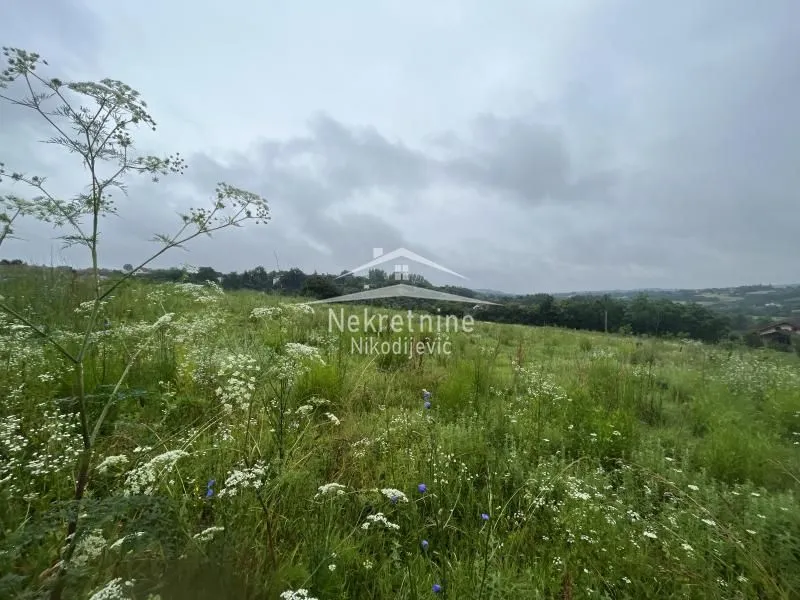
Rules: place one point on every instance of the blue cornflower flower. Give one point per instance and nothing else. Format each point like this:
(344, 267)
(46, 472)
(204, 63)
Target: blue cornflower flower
(427, 404)
(422, 488)
(424, 544)
(436, 588)
(426, 395)
(484, 516)
(210, 488)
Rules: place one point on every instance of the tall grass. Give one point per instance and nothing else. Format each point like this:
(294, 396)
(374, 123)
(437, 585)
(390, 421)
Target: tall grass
(251, 454)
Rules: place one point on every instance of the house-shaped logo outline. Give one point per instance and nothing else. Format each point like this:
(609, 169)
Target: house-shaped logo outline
(401, 290)
(380, 258)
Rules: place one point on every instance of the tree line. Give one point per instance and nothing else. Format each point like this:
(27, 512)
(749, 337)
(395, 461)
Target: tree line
(641, 315)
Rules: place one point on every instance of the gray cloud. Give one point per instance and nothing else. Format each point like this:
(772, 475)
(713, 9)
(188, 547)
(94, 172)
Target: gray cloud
(581, 149)
(529, 160)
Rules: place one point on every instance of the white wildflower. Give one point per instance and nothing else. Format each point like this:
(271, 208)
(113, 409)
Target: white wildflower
(304, 410)
(124, 539)
(89, 548)
(111, 461)
(301, 594)
(331, 488)
(143, 479)
(295, 362)
(244, 477)
(379, 518)
(207, 534)
(303, 351)
(163, 321)
(113, 590)
(236, 381)
(394, 495)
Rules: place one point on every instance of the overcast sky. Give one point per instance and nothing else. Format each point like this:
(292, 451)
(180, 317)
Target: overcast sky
(529, 145)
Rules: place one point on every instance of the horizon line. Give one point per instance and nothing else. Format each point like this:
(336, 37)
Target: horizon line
(402, 290)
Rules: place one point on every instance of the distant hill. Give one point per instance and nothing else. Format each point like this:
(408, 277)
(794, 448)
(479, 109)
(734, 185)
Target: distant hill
(748, 304)
(487, 293)
(755, 303)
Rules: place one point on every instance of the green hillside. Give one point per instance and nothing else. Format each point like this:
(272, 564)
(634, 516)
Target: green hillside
(240, 449)
(760, 303)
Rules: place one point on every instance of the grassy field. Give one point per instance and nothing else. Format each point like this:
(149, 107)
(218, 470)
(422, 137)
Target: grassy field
(248, 453)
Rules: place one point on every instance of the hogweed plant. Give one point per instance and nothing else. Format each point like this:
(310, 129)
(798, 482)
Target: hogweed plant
(285, 370)
(95, 121)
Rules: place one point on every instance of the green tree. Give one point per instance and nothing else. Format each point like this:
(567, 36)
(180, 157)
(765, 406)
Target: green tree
(753, 340)
(232, 281)
(320, 287)
(292, 280)
(418, 280)
(377, 276)
(204, 274)
(257, 279)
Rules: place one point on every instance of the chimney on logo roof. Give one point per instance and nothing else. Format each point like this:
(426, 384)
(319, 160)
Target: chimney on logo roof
(376, 253)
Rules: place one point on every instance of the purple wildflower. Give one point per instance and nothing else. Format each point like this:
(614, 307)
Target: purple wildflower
(427, 404)
(436, 588)
(422, 488)
(424, 544)
(484, 516)
(426, 395)
(210, 488)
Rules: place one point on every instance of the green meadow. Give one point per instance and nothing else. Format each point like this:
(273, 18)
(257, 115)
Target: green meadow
(240, 449)
(176, 441)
